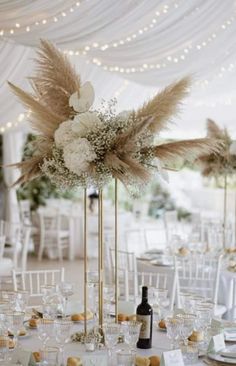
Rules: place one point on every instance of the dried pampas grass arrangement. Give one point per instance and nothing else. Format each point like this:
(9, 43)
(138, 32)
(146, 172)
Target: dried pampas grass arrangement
(78, 146)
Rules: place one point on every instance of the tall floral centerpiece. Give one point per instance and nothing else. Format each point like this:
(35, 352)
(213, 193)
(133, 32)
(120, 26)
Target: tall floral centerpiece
(221, 163)
(77, 145)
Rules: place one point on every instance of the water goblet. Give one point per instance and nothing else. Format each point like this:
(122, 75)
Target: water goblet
(66, 289)
(111, 332)
(47, 291)
(62, 332)
(4, 348)
(14, 321)
(131, 331)
(45, 330)
(125, 357)
(173, 330)
(188, 322)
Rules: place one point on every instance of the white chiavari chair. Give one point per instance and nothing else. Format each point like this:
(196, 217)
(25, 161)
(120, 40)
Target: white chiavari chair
(52, 236)
(33, 280)
(127, 271)
(199, 274)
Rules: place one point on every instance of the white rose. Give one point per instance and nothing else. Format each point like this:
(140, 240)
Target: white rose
(64, 134)
(232, 149)
(84, 122)
(78, 154)
(83, 102)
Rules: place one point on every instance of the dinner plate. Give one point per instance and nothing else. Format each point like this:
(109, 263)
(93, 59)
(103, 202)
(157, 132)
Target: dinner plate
(229, 352)
(230, 334)
(218, 357)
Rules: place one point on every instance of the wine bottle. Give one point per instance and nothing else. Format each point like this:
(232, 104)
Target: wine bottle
(144, 315)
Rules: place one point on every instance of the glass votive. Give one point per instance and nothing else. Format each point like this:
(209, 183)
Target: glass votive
(125, 357)
(49, 356)
(4, 348)
(90, 343)
(189, 352)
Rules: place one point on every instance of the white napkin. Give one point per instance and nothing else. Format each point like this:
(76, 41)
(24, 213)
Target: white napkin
(172, 358)
(24, 357)
(217, 343)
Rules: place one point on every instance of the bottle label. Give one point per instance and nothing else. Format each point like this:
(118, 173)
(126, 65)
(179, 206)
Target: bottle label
(146, 326)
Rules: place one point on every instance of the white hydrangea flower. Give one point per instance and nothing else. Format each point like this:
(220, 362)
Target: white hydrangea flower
(232, 149)
(85, 122)
(64, 134)
(78, 154)
(83, 102)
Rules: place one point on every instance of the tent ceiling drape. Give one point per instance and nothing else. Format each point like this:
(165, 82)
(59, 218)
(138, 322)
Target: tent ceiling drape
(129, 49)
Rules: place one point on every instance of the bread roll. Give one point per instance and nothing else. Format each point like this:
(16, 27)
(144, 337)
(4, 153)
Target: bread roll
(162, 324)
(154, 360)
(36, 356)
(74, 361)
(33, 323)
(22, 332)
(4, 342)
(77, 317)
(142, 361)
(183, 251)
(122, 317)
(132, 317)
(196, 336)
(11, 343)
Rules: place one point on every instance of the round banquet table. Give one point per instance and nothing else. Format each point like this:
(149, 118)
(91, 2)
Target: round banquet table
(74, 349)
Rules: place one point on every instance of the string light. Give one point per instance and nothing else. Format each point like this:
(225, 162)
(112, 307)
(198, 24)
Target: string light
(29, 27)
(22, 117)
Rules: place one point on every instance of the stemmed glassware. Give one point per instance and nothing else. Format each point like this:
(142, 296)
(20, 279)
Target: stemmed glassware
(14, 321)
(111, 332)
(187, 325)
(45, 330)
(62, 333)
(66, 290)
(131, 331)
(173, 325)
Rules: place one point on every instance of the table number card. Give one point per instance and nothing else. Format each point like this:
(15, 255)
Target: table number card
(94, 360)
(217, 343)
(172, 358)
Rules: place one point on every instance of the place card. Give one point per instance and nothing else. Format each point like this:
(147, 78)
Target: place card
(217, 343)
(25, 358)
(172, 358)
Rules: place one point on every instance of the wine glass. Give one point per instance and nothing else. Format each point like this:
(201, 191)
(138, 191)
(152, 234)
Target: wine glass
(47, 291)
(22, 299)
(49, 356)
(15, 322)
(161, 301)
(62, 332)
(173, 330)
(45, 330)
(187, 325)
(66, 289)
(111, 332)
(131, 331)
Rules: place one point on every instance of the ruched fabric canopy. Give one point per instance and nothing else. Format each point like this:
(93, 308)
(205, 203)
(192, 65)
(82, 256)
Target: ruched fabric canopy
(128, 49)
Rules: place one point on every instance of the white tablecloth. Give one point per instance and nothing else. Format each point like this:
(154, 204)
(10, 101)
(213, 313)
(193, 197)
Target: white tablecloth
(160, 344)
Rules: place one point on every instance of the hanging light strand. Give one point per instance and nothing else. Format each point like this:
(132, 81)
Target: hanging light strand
(19, 28)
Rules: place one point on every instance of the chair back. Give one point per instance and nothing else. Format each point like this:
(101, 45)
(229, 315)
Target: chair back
(2, 245)
(25, 212)
(33, 280)
(198, 273)
(25, 241)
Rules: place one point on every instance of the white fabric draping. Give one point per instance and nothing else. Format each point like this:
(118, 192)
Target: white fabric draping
(12, 147)
(148, 43)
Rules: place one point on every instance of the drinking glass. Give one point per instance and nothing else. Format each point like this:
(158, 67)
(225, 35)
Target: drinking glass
(173, 330)
(109, 297)
(62, 332)
(11, 297)
(4, 348)
(111, 332)
(160, 298)
(125, 357)
(49, 356)
(22, 299)
(15, 322)
(45, 330)
(66, 289)
(189, 352)
(47, 291)
(204, 315)
(131, 331)
(188, 322)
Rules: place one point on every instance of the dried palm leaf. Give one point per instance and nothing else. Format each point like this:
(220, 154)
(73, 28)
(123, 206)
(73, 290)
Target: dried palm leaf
(214, 131)
(164, 105)
(56, 79)
(42, 119)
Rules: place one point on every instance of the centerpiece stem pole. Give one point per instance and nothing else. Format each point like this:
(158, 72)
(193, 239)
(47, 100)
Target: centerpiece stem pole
(85, 261)
(116, 250)
(235, 219)
(225, 210)
(100, 256)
